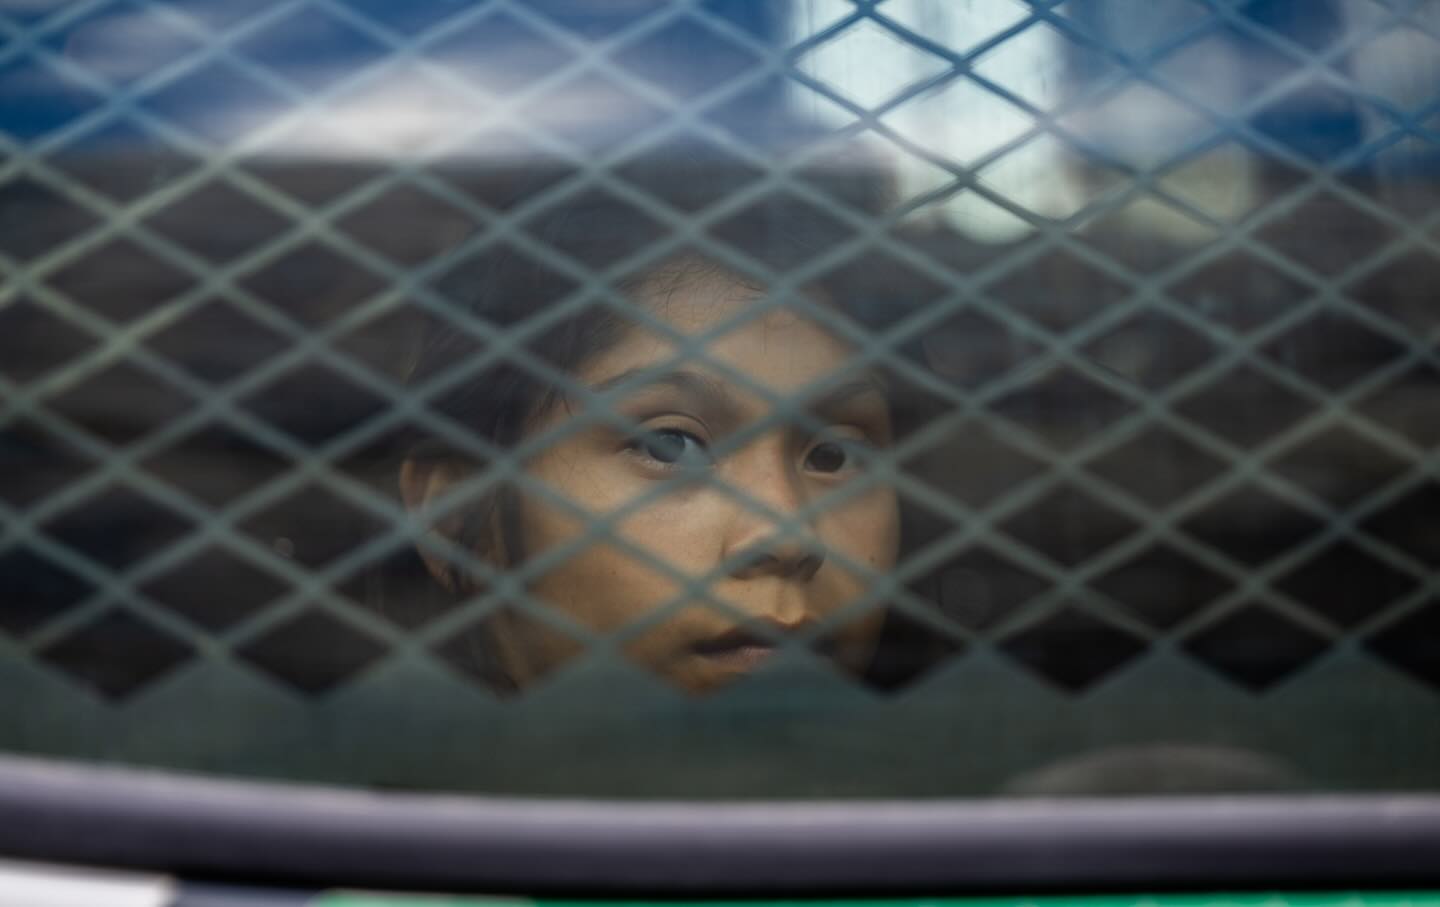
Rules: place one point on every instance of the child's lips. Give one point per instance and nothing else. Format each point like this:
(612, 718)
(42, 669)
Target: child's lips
(739, 649)
(740, 658)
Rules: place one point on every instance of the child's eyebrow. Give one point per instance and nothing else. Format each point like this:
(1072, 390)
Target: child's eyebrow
(834, 397)
(704, 389)
(712, 390)
(707, 394)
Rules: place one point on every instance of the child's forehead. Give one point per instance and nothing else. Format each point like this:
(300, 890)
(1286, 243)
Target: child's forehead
(726, 324)
(720, 325)
(717, 303)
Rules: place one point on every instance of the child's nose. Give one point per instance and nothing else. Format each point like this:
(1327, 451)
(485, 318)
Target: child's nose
(786, 560)
(768, 536)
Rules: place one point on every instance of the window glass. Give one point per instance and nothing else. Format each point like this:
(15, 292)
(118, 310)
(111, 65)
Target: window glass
(723, 399)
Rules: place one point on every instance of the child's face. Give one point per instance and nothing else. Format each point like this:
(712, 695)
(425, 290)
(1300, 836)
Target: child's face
(687, 412)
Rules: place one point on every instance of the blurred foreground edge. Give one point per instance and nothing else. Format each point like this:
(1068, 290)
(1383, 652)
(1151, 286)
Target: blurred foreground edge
(228, 830)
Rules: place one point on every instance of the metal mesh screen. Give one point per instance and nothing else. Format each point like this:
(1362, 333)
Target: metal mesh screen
(1152, 290)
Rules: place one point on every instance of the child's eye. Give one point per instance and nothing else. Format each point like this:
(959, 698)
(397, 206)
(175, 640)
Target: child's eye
(672, 447)
(836, 455)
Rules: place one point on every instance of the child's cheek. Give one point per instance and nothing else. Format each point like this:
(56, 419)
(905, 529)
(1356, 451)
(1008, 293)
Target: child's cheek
(680, 527)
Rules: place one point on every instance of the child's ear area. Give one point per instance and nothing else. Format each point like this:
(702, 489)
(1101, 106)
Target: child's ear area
(423, 483)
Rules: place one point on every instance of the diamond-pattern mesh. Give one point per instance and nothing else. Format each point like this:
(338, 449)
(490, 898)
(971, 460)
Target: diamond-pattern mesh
(1166, 280)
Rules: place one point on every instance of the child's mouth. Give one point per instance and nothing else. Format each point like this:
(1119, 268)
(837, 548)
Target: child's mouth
(738, 650)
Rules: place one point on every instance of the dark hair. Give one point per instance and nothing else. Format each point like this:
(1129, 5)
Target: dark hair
(505, 285)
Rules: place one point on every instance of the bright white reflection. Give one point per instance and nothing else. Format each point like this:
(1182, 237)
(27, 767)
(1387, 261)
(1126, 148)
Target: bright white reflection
(404, 113)
(1401, 67)
(959, 120)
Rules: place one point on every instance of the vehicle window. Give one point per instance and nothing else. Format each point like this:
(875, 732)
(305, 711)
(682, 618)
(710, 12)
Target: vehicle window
(721, 399)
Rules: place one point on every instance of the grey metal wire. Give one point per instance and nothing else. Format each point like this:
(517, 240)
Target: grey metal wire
(306, 224)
